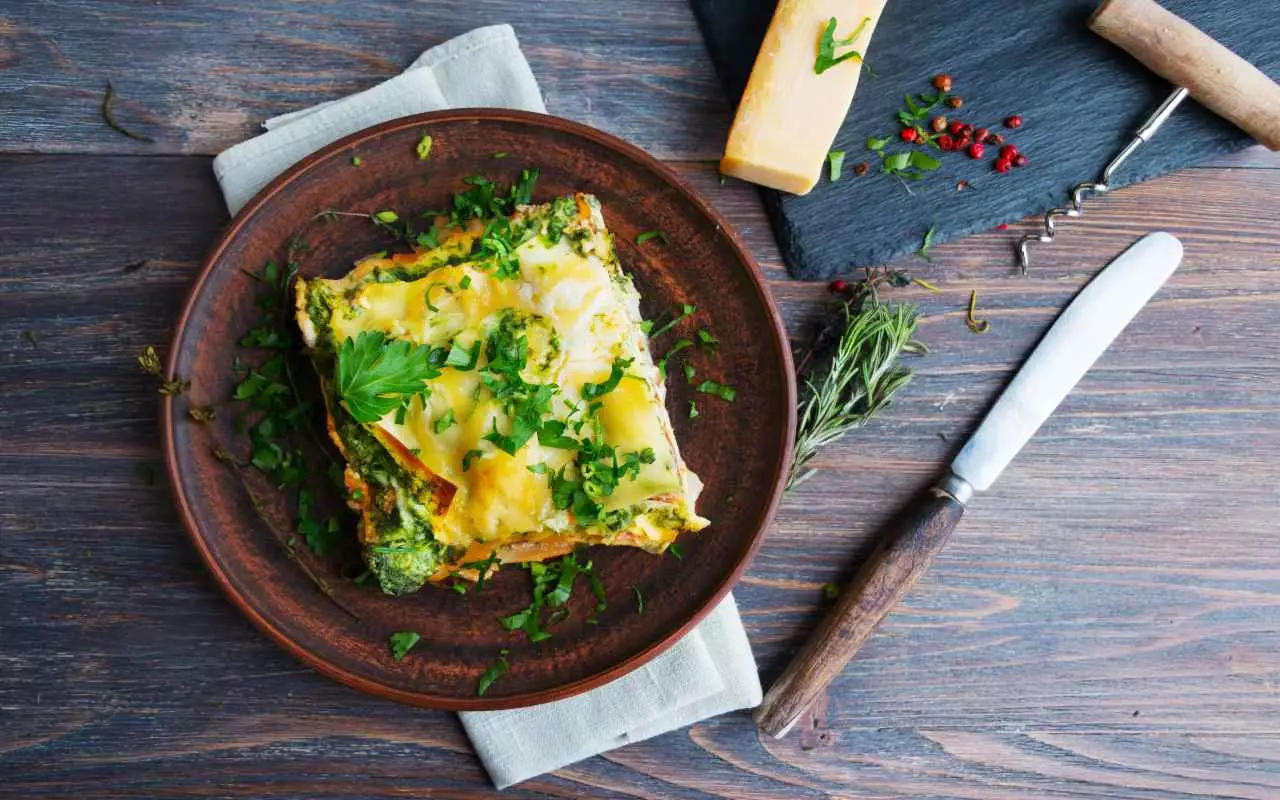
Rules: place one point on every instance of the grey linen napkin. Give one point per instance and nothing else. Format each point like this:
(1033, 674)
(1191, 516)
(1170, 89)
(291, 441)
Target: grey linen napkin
(711, 670)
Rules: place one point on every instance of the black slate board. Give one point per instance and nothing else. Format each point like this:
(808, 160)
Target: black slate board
(1081, 97)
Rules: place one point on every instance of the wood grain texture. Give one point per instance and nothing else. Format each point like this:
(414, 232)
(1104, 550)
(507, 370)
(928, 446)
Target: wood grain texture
(906, 550)
(1105, 623)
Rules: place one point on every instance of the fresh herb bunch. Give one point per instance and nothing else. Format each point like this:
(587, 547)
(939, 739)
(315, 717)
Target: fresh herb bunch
(859, 379)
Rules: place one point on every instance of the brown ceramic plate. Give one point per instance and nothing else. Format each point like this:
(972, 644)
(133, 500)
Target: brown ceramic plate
(740, 450)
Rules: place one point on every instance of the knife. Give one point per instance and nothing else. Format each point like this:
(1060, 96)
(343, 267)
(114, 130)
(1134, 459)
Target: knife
(1074, 342)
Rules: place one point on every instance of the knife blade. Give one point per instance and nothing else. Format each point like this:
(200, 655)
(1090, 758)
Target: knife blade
(1081, 334)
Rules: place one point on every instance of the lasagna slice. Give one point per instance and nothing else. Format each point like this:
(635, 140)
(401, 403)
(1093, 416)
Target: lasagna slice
(537, 417)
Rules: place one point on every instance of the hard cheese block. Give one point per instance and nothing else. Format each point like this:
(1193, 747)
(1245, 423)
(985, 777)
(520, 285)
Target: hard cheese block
(789, 114)
(1080, 96)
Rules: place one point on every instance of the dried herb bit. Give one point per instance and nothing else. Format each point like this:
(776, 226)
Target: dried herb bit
(109, 117)
(31, 338)
(424, 147)
(830, 591)
(496, 670)
(653, 234)
(976, 325)
(149, 361)
(402, 642)
(860, 377)
(925, 245)
(835, 162)
(639, 601)
(726, 393)
(202, 414)
(827, 44)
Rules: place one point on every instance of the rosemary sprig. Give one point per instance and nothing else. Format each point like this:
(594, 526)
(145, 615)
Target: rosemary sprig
(860, 378)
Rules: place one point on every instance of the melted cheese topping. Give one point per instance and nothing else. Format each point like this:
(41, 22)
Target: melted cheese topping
(580, 313)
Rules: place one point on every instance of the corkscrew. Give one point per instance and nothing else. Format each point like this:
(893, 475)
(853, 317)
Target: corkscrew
(1199, 66)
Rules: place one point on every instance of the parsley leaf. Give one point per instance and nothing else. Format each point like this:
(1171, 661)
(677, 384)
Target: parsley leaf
(835, 161)
(424, 147)
(445, 422)
(707, 341)
(693, 410)
(923, 252)
(376, 375)
(387, 217)
(593, 391)
(680, 344)
(653, 234)
(468, 457)
(461, 358)
(827, 44)
(496, 670)
(726, 393)
(686, 310)
(402, 642)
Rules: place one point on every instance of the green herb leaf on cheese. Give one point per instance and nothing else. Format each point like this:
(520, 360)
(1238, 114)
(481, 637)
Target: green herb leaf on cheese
(827, 44)
(376, 375)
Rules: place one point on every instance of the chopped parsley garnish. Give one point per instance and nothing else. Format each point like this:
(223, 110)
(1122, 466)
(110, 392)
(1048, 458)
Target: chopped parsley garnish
(686, 310)
(725, 393)
(375, 375)
(653, 234)
(689, 372)
(500, 155)
(496, 670)
(835, 162)
(693, 410)
(680, 344)
(537, 469)
(593, 391)
(925, 245)
(355, 161)
(827, 44)
(639, 600)
(387, 217)
(402, 642)
(553, 583)
(424, 147)
(830, 591)
(674, 549)
(461, 358)
(468, 457)
(465, 283)
(429, 239)
(321, 537)
(706, 340)
(427, 294)
(552, 434)
(444, 422)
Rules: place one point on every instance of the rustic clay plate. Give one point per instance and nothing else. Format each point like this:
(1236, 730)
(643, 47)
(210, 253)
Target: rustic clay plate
(242, 526)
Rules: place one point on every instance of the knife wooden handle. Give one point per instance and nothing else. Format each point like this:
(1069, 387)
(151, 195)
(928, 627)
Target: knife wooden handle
(892, 570)
(1185, 55)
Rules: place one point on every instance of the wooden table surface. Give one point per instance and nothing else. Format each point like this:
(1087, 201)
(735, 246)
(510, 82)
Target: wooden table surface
(1105, 623)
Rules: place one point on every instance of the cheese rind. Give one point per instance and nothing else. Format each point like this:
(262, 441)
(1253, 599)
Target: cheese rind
(789, 115)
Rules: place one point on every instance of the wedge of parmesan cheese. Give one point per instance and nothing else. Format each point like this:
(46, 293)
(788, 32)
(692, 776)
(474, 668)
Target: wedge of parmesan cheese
(789, 115)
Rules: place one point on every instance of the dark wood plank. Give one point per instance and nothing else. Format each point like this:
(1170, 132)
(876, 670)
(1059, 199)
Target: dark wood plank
(198, 77)
(1126, 563)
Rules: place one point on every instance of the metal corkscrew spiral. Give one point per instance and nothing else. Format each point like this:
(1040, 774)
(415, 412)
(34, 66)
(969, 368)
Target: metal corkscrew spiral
(1103, 184)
